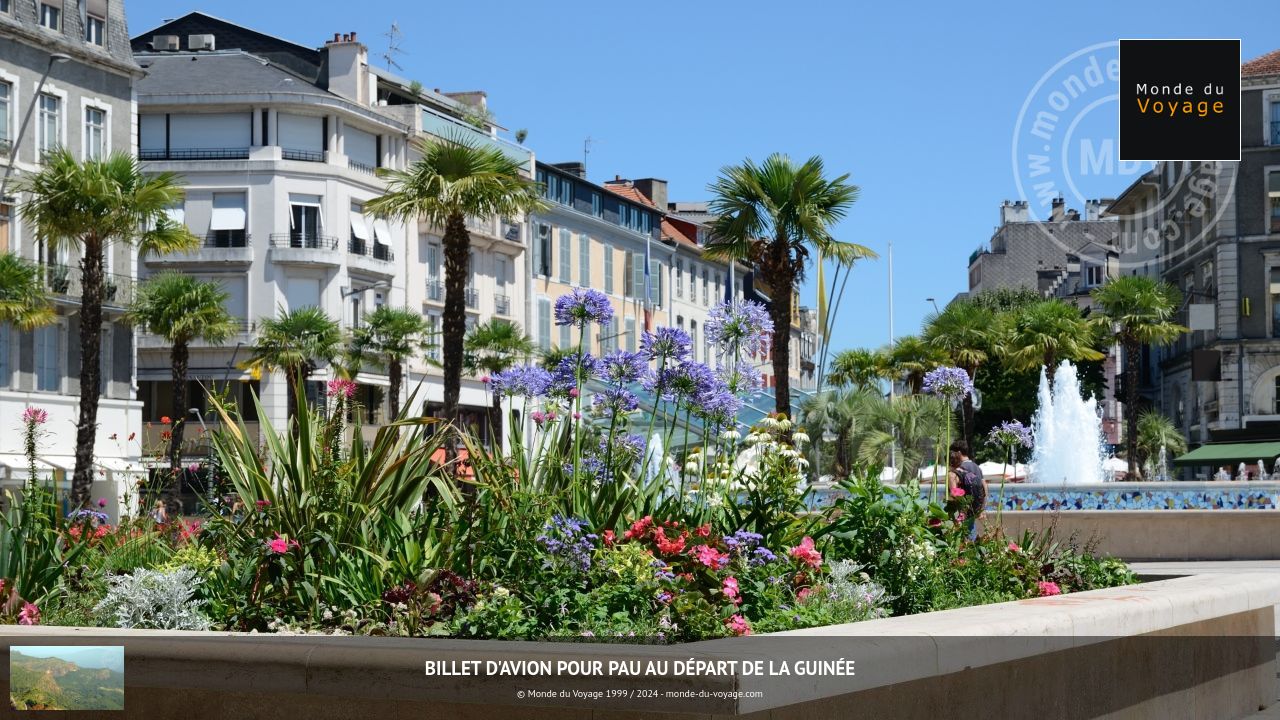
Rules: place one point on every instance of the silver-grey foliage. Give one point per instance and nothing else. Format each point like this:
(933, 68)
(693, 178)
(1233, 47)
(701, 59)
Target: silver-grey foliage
(155, 600)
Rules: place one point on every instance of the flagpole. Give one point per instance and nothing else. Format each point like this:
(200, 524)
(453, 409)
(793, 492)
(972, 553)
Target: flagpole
(893, 445)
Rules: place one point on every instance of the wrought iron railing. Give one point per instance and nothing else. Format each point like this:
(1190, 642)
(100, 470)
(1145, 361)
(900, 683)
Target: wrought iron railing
(226, 239)
(501, 305)
(473, 298)
(304, 155)
(196, 154)
(360, 167)
(66, 282)
(435, 290)
(310, 241)
(375, 250)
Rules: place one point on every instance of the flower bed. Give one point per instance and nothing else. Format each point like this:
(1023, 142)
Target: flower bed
(593, 526)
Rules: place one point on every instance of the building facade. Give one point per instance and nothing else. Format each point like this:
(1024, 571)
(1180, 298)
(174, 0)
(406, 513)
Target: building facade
(1213, 230)
(66, 81)
(279, 145)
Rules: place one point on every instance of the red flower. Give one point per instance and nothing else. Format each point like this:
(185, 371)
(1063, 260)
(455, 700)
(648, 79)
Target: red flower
(165, 420)
(710, 556)
(704, 531)
(1013, 547)
(738, 625)
(279, 545)
(639, 528)
(608, 538)
(673, 546)
(132, 435)
(1047, 588)
(957, 492)
(805, 553)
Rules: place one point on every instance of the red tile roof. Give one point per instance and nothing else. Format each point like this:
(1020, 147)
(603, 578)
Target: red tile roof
(628, 191)
(670, 230)
(1268, 64)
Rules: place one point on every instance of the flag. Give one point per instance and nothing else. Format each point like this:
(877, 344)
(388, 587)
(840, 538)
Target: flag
(822, 301)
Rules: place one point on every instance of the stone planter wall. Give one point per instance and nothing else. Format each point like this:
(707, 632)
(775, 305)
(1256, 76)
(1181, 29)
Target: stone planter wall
(1158, 534)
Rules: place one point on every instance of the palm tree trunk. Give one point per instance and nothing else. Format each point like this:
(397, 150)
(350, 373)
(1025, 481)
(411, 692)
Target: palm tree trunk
(780, 310)
(90, 369)
(1050, 367)
(394, 371)
(457, 248)
(1131, 407)
(179, 358)
(495, 424)
(291, 394)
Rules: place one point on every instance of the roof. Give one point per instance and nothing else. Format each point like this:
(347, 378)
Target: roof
(670, 230)
(1268, 64)
(1230, 453)
(629, 192)
(220, 72)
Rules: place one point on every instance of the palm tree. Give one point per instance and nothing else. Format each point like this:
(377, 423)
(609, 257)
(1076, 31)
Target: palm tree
(452, 180)
(1045, 334)
(770, 215)
(90, 207)
(1138, 311)
(181, 308)
(911, 357)
(1156, 431)
(907, 426)
(839, 419)
(22, 298)
(491, 348)
(295, 342)
(964, 332)
(394, 334)
(858, 368)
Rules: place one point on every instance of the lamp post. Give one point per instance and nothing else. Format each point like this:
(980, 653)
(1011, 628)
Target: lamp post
(54, 59)
(935, 305)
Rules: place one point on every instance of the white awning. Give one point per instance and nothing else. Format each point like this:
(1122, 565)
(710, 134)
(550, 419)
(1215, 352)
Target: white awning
(358, 227)
(62, 462)
(382, 231)
(19, 462)
(228, 212)
(371, 379)
(119, 465)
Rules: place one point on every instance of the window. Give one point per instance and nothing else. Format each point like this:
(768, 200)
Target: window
(1275, 302)
(631, 334)
(48, 367)
(228, 222)
(4, 6)
(705, 294)
(558, 189)
(95, 133)
(1206, 276)
(1273, 198)
(566, 245)
(6, 213)
(584, 261)
(6, 98)
(356, 315)
(51, 15)
(693, 337)
(1275, 122)
(655, 283)
(500, 273)
(679, 278)
(305, 221)
(50, 125)
(104, 363)
(719, 289)
(433, 336)
(95, 27)
(542, 252)
(608, 269)
(1276, 409)
(544, 324)
(597, 208)
(1093, 275)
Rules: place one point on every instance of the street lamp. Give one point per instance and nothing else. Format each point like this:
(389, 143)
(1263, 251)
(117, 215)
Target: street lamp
(54, 58)
(935, 305)
(380, 285)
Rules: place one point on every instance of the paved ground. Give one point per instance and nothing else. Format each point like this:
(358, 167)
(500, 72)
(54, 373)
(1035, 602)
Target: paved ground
(1219, 566)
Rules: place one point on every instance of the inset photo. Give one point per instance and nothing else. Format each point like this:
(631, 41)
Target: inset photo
(66, 677)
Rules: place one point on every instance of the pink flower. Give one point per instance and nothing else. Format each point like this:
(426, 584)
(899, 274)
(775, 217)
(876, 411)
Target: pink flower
(738, 625)
(279, 545)
(960, 517)
(35, 416)
(805, 553)
(1048, 588)
(164, 420)
(29, 615)
(485, 379)
(573, 392)
(731, 590)
(341, 387)
(538, 416)
(957, 492)
(193, 468)
(804, 594)
(577, 416)
(262, 503)
(1013, 547)
(710, 557)
(102, 502)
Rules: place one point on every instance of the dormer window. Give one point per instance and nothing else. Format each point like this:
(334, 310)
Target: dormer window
(1094, 275)
(51, 14)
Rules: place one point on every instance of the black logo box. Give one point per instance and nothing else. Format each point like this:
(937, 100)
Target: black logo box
(1187, 68)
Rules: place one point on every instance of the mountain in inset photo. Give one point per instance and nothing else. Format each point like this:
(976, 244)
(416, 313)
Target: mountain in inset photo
(78, 677)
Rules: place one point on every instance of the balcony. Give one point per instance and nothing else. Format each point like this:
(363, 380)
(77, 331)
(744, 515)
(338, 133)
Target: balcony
(502, 305)
(303, 155)
(473, 298)
(243, 332)
(361, 167)
(370, 257)
(220, 246)
(435, 291)
(299, 248)
(240, 153)
(1275, 132)
(63, 282)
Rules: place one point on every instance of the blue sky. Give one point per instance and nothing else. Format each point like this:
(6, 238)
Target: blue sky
(87, 656)
(916, 101)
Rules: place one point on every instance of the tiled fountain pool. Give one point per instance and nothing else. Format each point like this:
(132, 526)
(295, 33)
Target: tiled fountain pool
(1118, 496)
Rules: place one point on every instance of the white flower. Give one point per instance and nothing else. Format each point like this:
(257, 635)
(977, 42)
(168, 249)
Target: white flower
(730, 435)
(800, 438)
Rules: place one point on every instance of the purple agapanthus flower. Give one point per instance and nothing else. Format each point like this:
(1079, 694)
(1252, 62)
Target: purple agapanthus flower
(615, 400)
(1010, 433)
(742, 326)
(583, 306)
(717, 407)
(685, 381)
(951, 383)
(667, 345)
(529, 381)
(573, 372)
(629, 446)
(622, 367)
(743, 380)
(566, 539)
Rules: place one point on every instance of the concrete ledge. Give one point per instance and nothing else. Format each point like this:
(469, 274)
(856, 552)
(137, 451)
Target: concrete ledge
(1158, 534)
(1203, 641)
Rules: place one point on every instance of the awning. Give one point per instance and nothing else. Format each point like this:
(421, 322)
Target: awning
(358, 228)
(119, 465)
(228, 212)
(62, 462)
(1230, 453)
(19, 462)
(382, 231)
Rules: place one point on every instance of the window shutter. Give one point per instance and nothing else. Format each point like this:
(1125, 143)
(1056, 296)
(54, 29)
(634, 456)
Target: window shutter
(586, 338)
(566, 338)
(608, 269)
(584, 260)
(627, 276)
(655, 288)
(566, 245)
(544, 323)
(631, 334)
(637, 268)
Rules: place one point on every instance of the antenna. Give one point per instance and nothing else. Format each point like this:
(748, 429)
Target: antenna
(586, 149)
(393, 37)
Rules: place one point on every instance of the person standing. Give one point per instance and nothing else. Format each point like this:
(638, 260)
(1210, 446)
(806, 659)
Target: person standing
(966, 477)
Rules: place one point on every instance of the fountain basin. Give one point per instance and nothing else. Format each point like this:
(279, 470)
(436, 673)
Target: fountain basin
(1111, 496)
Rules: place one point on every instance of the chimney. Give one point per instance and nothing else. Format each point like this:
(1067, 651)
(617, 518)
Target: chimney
(1012, 212)
(654, 189)
(577, 168)
(348, 63)
(1059, 210)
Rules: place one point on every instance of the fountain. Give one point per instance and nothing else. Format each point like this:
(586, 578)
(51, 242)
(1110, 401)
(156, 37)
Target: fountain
(1262, 471)
(1162, 470)
(1240, 473)
(1068, 433)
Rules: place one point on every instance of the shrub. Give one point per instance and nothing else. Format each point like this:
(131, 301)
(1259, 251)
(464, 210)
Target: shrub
(154, 600)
